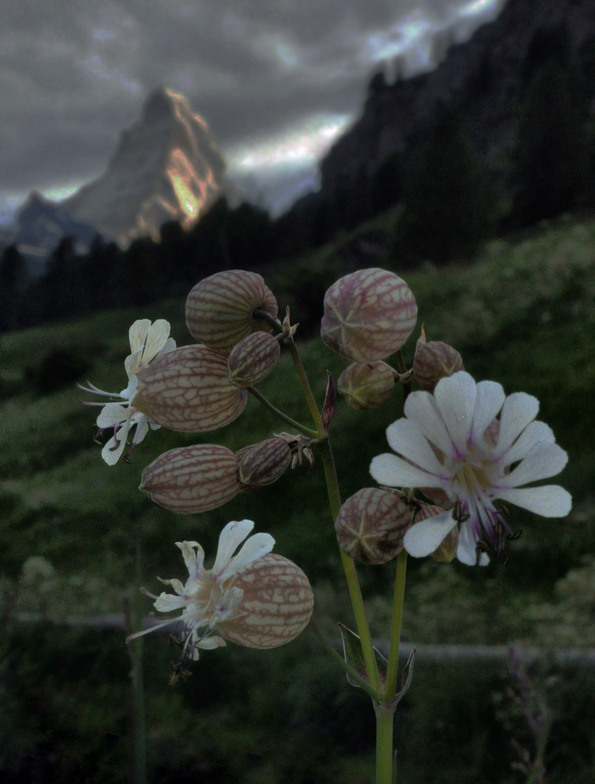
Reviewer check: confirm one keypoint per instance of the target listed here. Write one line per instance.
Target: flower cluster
(254, 598)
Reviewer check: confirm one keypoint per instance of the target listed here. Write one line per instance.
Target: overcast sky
(277, 80)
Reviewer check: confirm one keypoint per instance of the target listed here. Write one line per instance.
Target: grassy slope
(523, 314)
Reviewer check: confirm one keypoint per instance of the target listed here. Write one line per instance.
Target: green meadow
(521, 313)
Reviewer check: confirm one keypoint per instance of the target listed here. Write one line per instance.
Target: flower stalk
(390, 688)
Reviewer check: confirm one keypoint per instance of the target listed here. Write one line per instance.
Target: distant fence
(584, 657)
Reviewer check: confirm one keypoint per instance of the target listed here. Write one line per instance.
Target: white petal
(132, 363)
(112, 451)
(518, 410)
(142, 427)
(210, 643)
(406, 439)
(421, 408)
(193, 560)
(547, 501)
(467, 548)
(229, 540)
(112, 414)
(156, 339)
(138, 334)
(170, 344)
(167, 602)
(534, 433)
(489, 400)
(455, 397)
(543, 461)
(175, 584)
(254, 548)
(393, 471)
(426, 536)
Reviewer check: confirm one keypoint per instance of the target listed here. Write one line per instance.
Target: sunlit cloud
(60, 192)
(293, 148)
(479, 7)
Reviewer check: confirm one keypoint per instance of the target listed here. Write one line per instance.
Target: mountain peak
(167, 166)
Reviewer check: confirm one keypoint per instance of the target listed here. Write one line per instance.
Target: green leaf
(354, 656)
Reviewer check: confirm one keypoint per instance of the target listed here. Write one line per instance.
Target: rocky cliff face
(166, 167)
(482, 77)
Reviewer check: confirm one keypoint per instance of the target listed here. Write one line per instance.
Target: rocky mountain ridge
(483, 78)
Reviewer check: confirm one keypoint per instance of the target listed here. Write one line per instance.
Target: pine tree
(13, 276)
(448, 198)
(549, 158)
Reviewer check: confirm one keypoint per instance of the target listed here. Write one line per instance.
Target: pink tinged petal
(111, 415)
(230, 539)
(455, 398)
(518, 411)
(254, 548)
(227, 604)
(194, 560)
(138, 334)
(421, 409)
(489, 400)
(547, 501)
(467, 548)
(534, 433)
(543, 461)
(393, 471)
(156, 339)
(210, 643)
(132, 363)
(130, 390)
(406, 438)
(167, 602)
(426, 536)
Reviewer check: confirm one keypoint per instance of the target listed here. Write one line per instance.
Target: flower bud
(252, 359)
(371, 525)
(276, 606)
(219, 308)
(192, 479)
(433, 361)
(187, 391)
(262, 464)
(366, 386)
(368, 315)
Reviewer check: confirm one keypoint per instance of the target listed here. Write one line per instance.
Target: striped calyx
(433, 361)
(192, 479)
(368, 315)
(187, 390)
(262, 464)
(219, 308)
(371, 525)
(276, 606)
(252, 359)
(366, 385)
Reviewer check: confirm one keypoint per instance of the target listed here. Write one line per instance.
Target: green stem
(297, 361)
(355, 593)
(395, 632)
(306, 431)
(262, 315)
(384, 744)
(353, 674)
(403, 369)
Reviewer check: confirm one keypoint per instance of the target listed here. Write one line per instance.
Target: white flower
(209, 596)
(446, 444)
(147, 341)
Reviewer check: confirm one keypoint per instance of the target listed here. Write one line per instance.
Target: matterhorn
(166, 167)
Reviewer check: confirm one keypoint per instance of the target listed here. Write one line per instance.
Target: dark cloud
(73, 75)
